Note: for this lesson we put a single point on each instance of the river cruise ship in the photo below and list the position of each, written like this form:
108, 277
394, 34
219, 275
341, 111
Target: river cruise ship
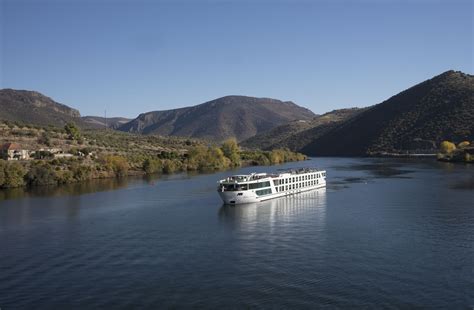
255, 187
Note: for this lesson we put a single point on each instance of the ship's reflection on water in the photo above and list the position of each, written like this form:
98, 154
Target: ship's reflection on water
286, 211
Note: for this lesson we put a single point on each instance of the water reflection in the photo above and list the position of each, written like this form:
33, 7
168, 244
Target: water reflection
72, 189
307, 206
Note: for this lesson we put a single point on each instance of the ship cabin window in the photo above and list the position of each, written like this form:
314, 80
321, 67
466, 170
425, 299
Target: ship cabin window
262, 192
317, 181
293, 179
259, 185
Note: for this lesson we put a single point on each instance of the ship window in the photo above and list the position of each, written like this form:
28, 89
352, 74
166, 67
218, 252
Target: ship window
239, 194
262, 192
317, 181
259, 185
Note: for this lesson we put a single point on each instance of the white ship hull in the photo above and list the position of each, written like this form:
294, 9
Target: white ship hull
253, 188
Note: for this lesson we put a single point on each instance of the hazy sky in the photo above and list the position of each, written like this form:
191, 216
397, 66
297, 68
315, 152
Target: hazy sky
139, 56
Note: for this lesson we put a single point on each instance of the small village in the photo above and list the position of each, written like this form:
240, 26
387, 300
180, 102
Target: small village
14, 151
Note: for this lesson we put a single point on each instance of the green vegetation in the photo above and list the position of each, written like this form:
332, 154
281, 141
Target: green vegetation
73, 133
112, 154
413, 121
12, 174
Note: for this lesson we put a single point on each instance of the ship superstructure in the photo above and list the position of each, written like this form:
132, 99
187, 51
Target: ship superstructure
255, 187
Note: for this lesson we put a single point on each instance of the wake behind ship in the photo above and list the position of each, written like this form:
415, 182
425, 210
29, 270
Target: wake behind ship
255, 187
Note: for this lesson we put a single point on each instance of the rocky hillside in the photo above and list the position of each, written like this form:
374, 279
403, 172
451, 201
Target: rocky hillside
297, 134
232, 116
31, 107
98, 122
415, 120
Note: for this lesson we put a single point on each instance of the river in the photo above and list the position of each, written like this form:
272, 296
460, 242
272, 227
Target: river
384, 233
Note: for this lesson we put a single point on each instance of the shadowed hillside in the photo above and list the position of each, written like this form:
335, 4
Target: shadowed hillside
232, 116
296, 134
31, 107
417, 119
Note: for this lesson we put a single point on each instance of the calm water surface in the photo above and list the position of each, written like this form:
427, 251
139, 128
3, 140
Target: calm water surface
384, 233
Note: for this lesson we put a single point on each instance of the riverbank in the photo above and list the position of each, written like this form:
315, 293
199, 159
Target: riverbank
33, 173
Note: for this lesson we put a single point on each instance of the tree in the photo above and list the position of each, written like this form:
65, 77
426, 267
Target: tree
2, 172
231, 150
44, 139
41, 174
14, 175
463, 144
118, 164
72, 131
447, 147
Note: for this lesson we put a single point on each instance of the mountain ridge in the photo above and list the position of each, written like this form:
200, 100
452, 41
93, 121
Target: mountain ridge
228, 116
416, 119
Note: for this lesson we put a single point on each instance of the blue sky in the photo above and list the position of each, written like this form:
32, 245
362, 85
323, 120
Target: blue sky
137, 56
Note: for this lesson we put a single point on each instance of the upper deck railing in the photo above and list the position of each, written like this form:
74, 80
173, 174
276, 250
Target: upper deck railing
259, 176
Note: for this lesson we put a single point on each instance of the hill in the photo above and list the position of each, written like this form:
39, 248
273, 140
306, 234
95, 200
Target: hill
31, 107
231, 116
415, 120
97, 122
296, 134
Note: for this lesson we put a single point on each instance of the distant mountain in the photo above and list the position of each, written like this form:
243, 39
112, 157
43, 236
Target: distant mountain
232, 116
415, 120
34, 108
297, 134
98, 122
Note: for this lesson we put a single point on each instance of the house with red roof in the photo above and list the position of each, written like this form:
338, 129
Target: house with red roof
13, 151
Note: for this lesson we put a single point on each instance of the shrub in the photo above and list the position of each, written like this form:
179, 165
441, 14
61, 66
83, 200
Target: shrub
151, 165
44, 139
118, 164
14, 175
64, 176
41, 174
463, 144
2, 172
43, 155
81, 172
169, 166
